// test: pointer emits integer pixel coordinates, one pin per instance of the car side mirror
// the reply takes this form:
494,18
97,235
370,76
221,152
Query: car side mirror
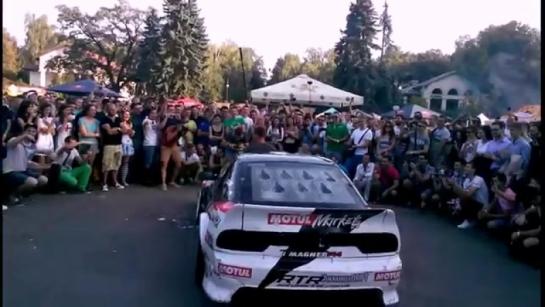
208,176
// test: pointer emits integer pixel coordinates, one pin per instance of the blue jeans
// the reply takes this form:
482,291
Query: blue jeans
351,164
150,156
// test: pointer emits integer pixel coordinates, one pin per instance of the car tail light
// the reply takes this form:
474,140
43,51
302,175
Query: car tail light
223,206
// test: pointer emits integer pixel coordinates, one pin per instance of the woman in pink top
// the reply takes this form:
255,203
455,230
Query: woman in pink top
503,206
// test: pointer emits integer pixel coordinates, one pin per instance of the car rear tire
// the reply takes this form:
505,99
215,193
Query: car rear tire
199,267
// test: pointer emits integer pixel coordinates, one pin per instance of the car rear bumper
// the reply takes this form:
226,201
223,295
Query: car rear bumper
226,274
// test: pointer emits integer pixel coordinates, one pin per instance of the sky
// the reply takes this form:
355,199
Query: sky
275,27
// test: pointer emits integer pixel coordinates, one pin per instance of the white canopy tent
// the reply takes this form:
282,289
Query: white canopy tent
307,91
483,118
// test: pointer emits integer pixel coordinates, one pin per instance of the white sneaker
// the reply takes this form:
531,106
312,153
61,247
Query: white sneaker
4,207
119,187
105,188
466,224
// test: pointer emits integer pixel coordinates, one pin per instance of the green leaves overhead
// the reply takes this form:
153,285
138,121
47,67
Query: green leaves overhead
103,45
183,47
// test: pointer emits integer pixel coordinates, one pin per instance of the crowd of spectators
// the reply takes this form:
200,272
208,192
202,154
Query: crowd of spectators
485,175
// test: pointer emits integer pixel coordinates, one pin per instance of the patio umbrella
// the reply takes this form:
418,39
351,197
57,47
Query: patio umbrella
84,88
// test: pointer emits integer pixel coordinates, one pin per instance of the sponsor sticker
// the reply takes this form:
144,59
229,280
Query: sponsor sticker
387,276
300,254
322,281
235,271
315,220
360,277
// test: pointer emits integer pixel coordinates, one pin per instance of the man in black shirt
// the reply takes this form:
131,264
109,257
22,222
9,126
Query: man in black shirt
259,145
110,130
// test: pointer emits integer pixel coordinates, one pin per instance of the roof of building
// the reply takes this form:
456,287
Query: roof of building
427,82
55,48
31,67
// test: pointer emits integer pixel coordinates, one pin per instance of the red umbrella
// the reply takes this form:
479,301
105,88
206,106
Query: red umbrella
188,102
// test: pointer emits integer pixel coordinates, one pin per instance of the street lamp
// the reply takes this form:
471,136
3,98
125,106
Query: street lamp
309,82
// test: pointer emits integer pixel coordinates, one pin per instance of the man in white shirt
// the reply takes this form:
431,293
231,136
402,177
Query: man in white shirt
19,171
191,164
75,178
364,176
151,143
473,196
360,140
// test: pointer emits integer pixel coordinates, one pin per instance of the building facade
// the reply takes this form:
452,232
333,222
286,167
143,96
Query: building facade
444,93
39,75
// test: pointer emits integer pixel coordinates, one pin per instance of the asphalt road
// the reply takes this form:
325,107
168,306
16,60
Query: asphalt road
134,248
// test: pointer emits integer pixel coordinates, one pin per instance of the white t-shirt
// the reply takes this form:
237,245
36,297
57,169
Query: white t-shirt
151,132
364,172
192,159
249,122
66,159
17,157
358,137
481,194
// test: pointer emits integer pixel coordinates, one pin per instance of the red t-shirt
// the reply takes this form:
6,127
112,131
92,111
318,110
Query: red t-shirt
388,176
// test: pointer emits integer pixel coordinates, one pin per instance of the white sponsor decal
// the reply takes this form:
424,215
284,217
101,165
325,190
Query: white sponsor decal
235,271
299,254
387,276
361,277
315,220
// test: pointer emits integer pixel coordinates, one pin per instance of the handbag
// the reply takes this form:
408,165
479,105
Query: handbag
351,150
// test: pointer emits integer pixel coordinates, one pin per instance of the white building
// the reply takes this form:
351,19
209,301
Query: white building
38,74
446,92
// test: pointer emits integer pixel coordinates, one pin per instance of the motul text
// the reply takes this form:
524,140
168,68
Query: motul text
387,276
315,220
235,271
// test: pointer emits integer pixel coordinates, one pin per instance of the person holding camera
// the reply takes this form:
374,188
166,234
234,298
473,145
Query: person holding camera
473,195
498,214
70,175
20,173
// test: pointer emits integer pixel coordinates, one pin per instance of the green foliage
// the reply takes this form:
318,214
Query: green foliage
405,66
224,66
105,43
149,60
182,49
504,61
319,64
40,35
355,70
286,68
10,56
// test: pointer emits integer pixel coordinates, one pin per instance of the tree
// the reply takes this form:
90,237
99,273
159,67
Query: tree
406,67
149,65
258,74
385,23
504,61
183,49
355,71
286,68
105,43
40,35
10,56
319,64
224,67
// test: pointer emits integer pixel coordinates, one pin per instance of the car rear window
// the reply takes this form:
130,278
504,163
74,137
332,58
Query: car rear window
295,184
